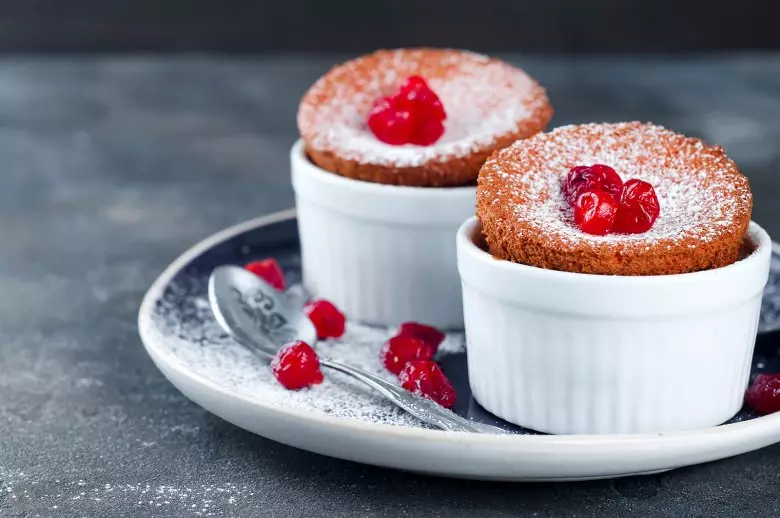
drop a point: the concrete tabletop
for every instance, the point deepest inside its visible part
(110, 167)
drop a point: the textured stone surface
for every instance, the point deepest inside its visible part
(111, 167)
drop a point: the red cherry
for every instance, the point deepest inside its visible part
(413, 116)
(268, 270)
(412, 85)
(587, 178)
(427, 334)
(400, 350)
(576, 179)
(427, 132)
(389, 124)
(609, 180)
(425, 378)
(296, 366)
(638, 208)
(763, 396)
(594, 212)
(327, 319)
(425, 101)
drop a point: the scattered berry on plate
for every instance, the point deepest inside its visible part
(414, 115)
(401, 349)
(638, 208)
(595, 211)
(426, 333)
(425, 378)
(327, 319)
(268, 270)
(763, 395)
(297, 366)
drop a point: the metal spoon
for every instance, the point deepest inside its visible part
(262, 319)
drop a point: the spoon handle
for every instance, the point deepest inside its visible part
(421, 408)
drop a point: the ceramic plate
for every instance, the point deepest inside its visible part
(342, 420)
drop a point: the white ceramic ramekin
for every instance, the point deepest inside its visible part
(384, 254)
(570, 353)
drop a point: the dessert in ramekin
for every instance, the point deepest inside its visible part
(617, 330)
(384, 174)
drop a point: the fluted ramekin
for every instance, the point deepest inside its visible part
(570, 353)
(383, 253)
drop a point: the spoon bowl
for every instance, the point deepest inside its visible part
(255, 314)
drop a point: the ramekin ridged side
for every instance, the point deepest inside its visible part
(384, 254)
(570, 353)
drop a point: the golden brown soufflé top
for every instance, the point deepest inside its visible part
(489, 105)
(705, 202)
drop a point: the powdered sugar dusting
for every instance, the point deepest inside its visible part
(184, 325)
(28, 493)
(700, 191)
(484, 99)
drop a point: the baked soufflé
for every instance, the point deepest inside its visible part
(418, 117)
(681, 205)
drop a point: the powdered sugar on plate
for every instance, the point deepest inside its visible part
(183, 326)
(484, 99)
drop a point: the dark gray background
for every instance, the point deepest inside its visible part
(571, 26)
(111, 167)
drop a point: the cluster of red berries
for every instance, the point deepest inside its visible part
(414, 115)
(408, 354)
(603, 204)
